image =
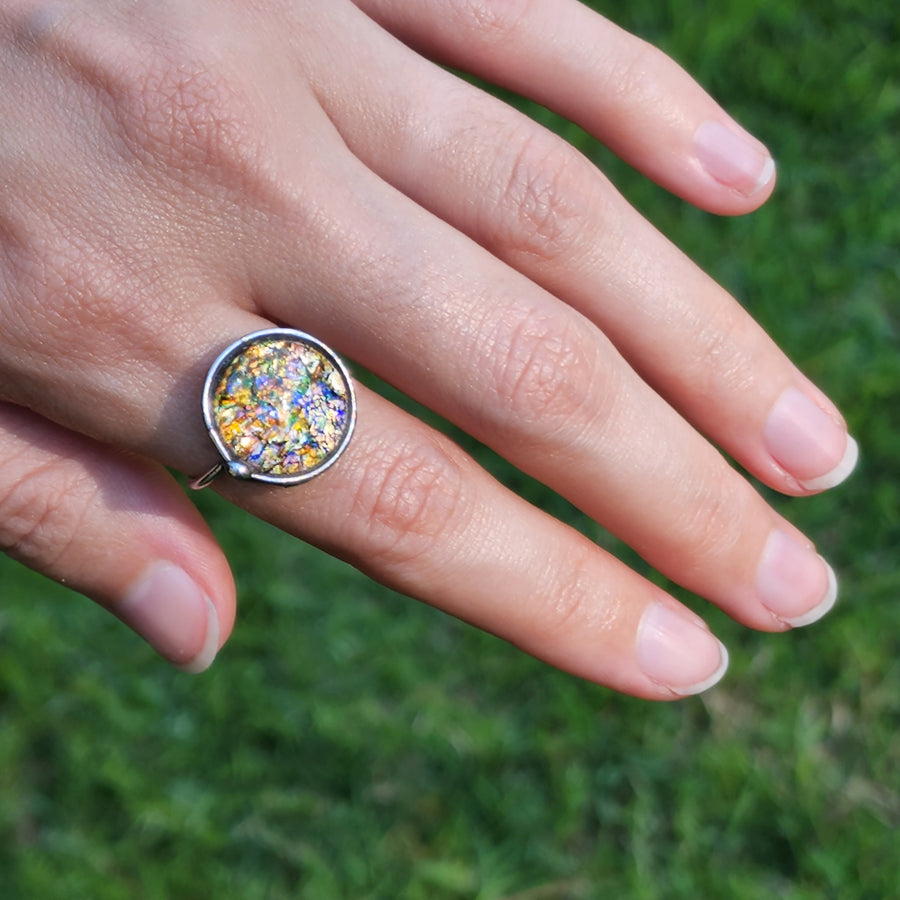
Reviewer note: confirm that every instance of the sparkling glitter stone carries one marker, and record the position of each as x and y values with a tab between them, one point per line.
282	407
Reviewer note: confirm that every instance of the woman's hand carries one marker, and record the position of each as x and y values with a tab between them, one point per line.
177	175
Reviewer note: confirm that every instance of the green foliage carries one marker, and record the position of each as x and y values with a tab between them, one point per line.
350	743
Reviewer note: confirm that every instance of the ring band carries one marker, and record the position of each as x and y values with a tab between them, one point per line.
279	407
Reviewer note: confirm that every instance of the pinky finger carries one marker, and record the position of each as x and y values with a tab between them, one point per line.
118	529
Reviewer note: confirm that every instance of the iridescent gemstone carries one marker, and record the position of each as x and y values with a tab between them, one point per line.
280	405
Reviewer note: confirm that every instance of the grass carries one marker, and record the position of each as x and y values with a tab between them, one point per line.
351	743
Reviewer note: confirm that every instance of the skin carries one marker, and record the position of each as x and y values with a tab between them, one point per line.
177	175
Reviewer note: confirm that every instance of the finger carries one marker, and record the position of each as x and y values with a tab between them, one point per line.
412	510
539	205
633	97
118	530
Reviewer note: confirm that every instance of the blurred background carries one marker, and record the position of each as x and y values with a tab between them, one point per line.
353	743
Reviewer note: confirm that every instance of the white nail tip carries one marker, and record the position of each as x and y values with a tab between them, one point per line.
823	608
713	679
204	659
839	473
765	176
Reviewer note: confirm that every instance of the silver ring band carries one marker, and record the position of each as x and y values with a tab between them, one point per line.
279	407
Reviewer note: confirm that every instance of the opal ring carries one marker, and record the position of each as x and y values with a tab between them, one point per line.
279	407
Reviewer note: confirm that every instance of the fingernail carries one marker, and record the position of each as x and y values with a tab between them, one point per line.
169	610
676	652
732	159
794	582
808	443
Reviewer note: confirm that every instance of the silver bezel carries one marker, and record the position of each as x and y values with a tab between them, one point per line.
235	466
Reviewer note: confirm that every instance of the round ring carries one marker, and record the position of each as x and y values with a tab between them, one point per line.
279	407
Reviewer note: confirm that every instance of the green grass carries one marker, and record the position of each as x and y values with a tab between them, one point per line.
351	743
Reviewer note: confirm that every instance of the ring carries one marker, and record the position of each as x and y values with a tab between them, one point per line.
279	407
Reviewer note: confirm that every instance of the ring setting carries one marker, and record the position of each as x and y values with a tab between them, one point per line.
279	407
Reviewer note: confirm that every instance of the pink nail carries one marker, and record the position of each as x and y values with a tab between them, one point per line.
794	582
732	159
808	443
168	609
676	652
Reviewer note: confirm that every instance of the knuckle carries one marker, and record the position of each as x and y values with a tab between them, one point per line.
713	524
78	313
723	355
490	22
548	199
168	99
631	76
409	498
726	356
48	275
186	114
76	296
570	607
42	510
576	603
36	23
546	371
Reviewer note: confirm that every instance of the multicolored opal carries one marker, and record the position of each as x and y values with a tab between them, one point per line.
281	406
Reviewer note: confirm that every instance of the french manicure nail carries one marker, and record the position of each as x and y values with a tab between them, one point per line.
732	159
676	652
169	610
793	582
808	443
207	655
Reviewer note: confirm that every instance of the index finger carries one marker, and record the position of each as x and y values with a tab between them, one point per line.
621	89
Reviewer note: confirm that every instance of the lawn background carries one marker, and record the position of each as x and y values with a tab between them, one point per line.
352	743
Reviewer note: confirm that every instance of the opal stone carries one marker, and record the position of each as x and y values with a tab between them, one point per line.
282	407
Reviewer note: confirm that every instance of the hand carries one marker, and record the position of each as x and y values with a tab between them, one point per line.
177	175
